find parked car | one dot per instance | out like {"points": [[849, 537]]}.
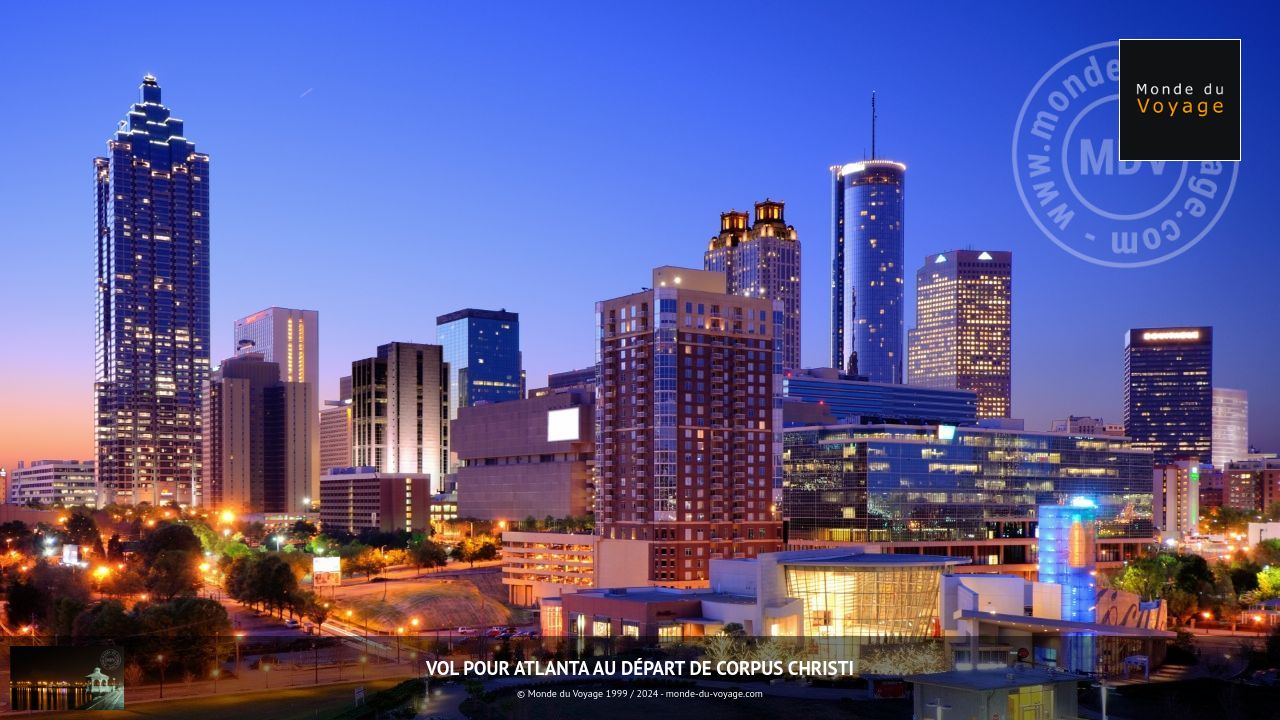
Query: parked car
{"points": [[291, 623], [466, 631]]}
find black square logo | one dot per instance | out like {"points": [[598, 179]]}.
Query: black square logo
{"points": [[1179, 100]]}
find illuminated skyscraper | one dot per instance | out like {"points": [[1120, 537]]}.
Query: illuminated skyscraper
{"points": [[963, 326], [290, 338], [400, 410], [1230, 426], [688, 449], [762, 261], [867, 256], [152, 328], [482, 348], [258, 454], [1168, 400]]}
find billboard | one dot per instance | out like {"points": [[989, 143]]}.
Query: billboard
{"points": [[562, 425], [326, 571]]}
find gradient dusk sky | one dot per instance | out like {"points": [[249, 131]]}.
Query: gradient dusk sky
{"points": [[384, 163]]}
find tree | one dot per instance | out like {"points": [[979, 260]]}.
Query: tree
{"points": [[368, 562], [315, 610], [82, 530], [474, 549], [734, 630], [303, 530], [170, 536], [173, 573], [1269, 583], [428, 554]]}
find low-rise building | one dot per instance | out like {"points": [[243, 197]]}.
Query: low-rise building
{"points": [[356, 499], [540, 565], [53, 482], [526, 458]]}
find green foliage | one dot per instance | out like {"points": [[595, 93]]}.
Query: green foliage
{"points": [[1269, 583], [169, 537], [473, 550], [428, 554], [173, 573]]}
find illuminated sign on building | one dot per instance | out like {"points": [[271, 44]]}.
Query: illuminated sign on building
{"points": [[563, 425], [1159, 335]]}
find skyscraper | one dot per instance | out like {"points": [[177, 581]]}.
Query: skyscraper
{"points": [[688, 454], [258, 454], [287, 337], [482, 348], [1168, 398], [335, 429], [962, 336], [152, 327], [762, 261], [290, 338], [867, 256], [1230, 426], [400, 410]]}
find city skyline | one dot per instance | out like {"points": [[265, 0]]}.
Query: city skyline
{"points": [[56, 411]]}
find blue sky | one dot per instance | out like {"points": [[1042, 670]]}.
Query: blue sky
{"points": [[387, 162]]}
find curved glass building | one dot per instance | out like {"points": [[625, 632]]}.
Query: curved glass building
{"points": [[870, 202]]}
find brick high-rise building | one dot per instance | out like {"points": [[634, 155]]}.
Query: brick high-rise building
{"points": [[762, 260], [962, 337], [688, 452]]}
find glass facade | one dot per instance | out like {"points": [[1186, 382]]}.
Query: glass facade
{"points": [[482, 348], [1168, 400], [853, 401], [152, 326], [883, 483], [872, 233], [867, 602]]}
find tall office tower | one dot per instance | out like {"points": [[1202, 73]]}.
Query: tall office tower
{"points": [[152, 328], [335, 429], [867, 256], [290, 338], [688, 450], [762, 261], [400, 410], [1168, 392], [963, 326], [482, 348], [1230, 426], [258, 454], [287, 337]]}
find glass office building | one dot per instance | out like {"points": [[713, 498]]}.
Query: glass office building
{"points": [[482, 348], [1168, 398], [152, 325], [858, 402], [868, 285], [890, 483]]}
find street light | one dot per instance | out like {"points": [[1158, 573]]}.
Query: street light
{"points": [[399, 633], [239, 635], [160, 661], [279, 541]]}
